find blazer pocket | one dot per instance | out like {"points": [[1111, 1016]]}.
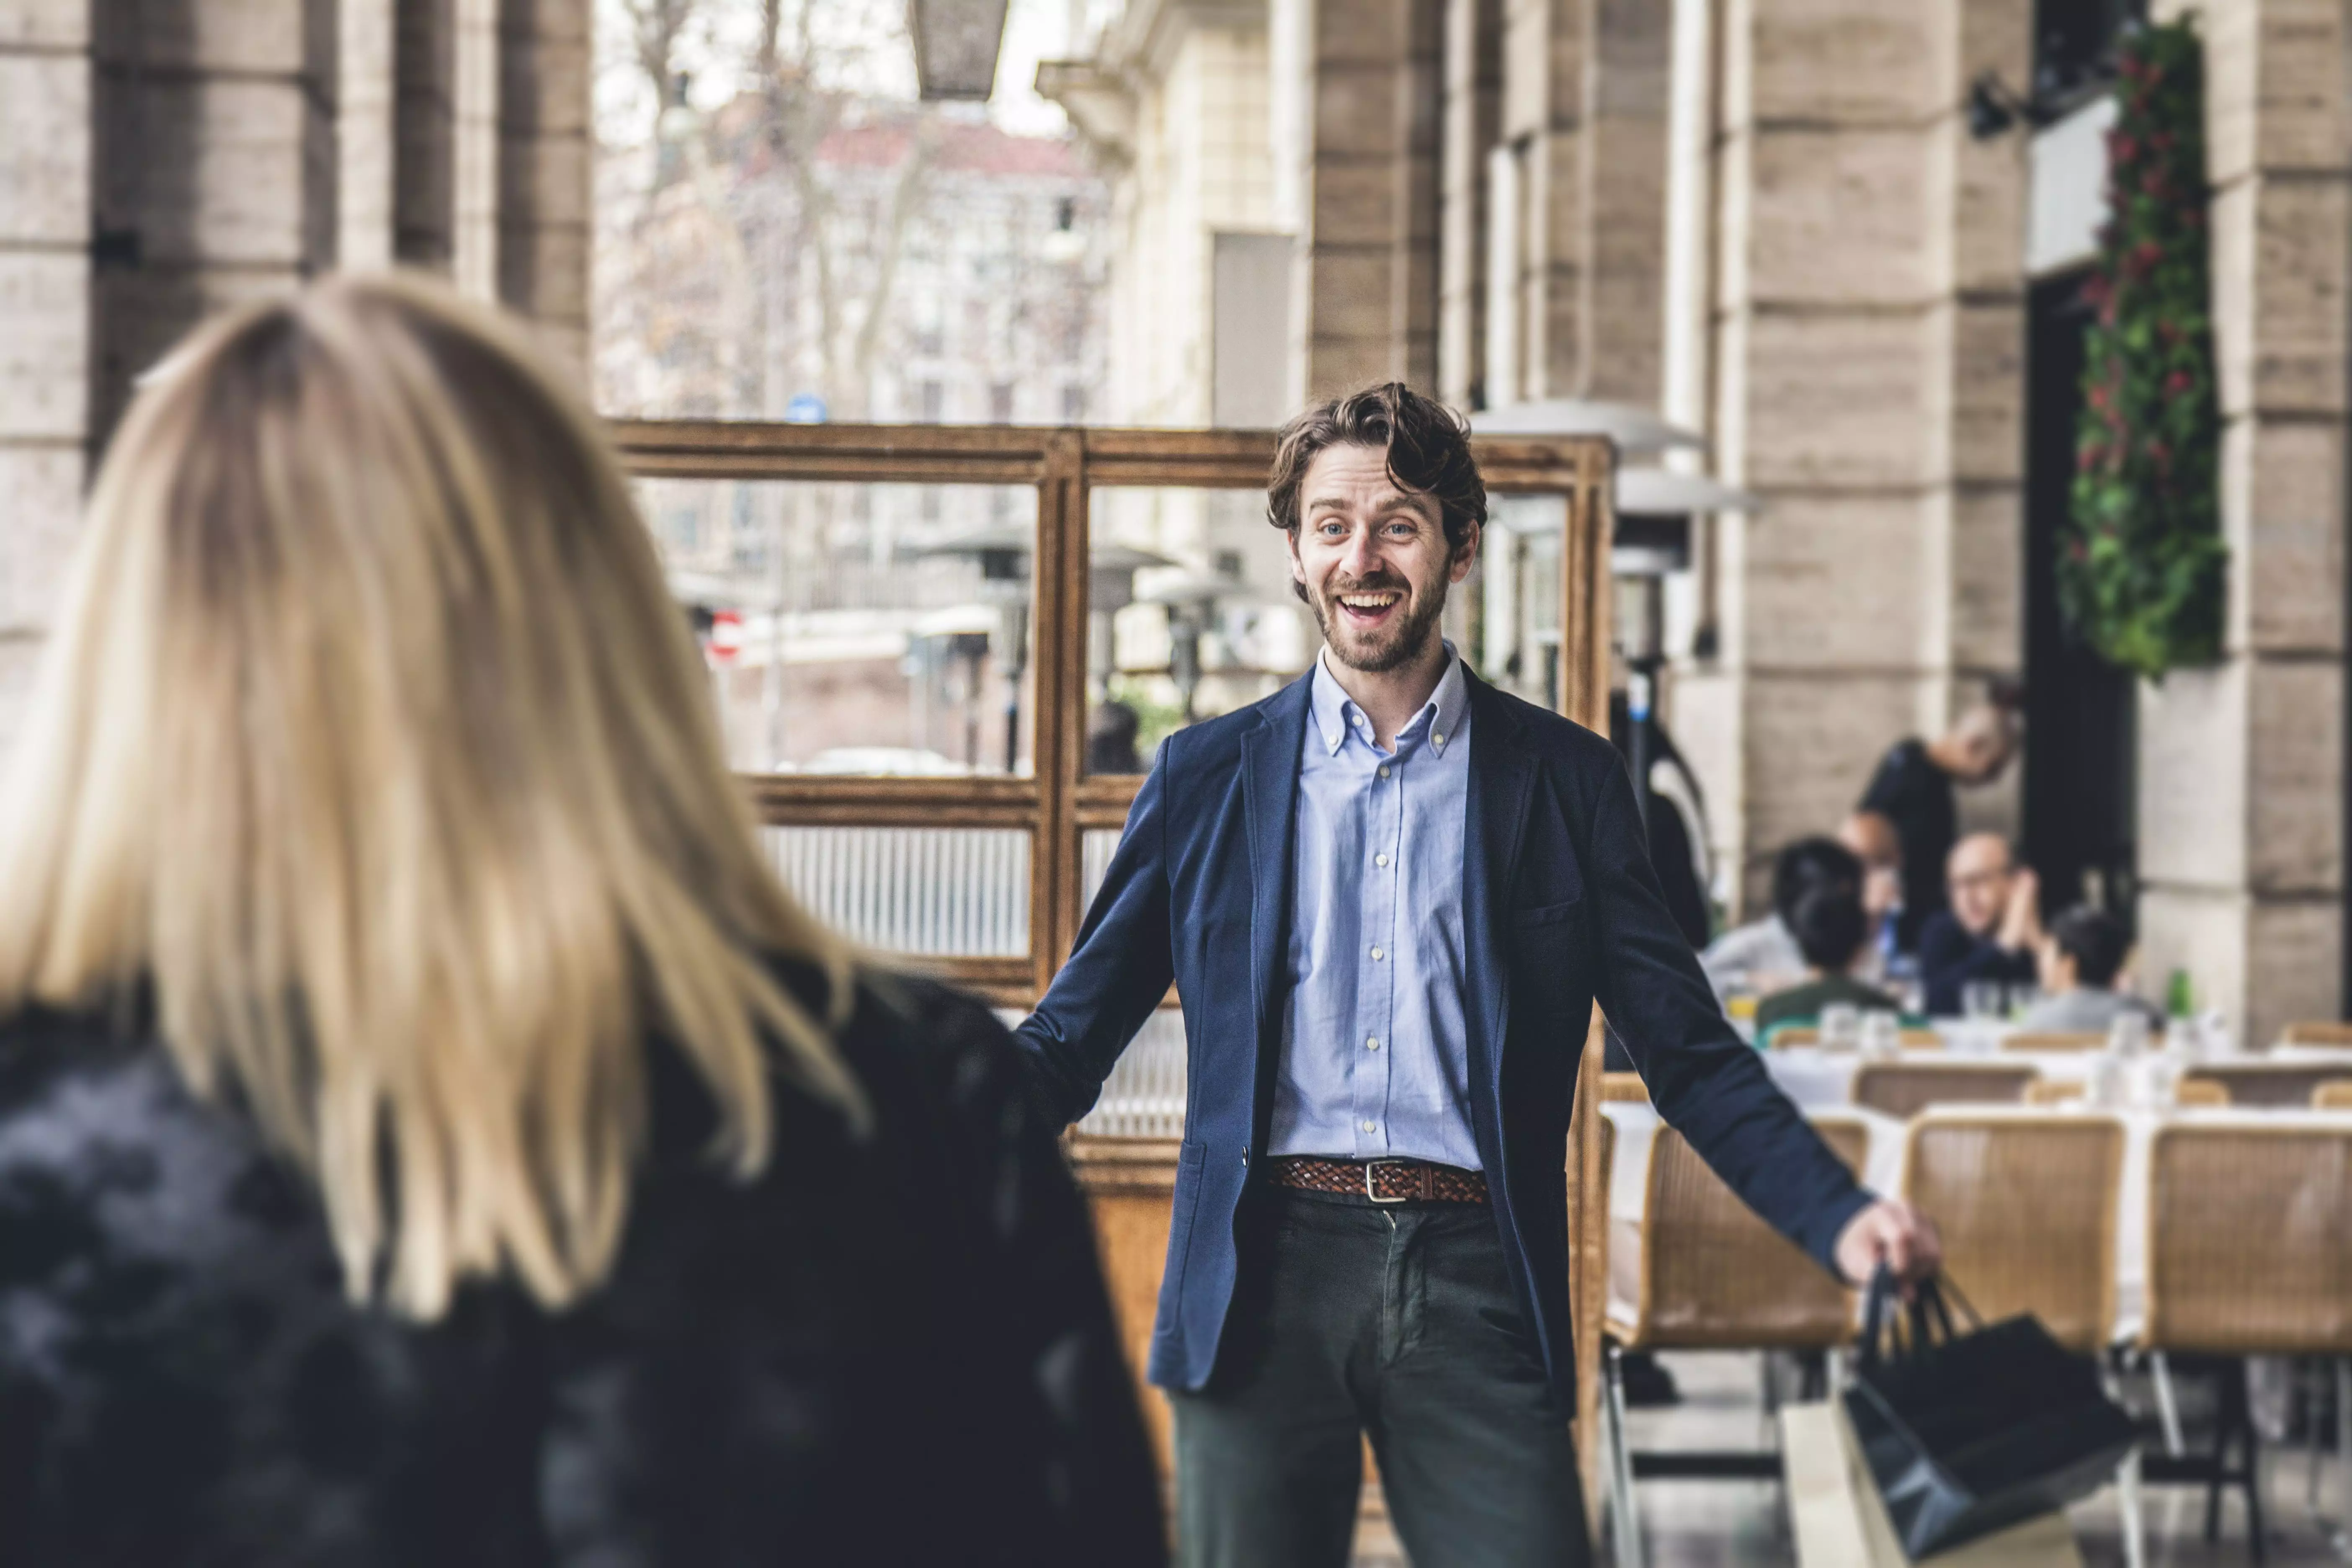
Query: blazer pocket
{"points": [[1182, 1212], [1544, 914]]}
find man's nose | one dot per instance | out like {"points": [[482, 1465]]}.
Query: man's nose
{"points": [[1362, 556]]}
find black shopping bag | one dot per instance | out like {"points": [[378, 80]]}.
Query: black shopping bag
{"points": [[1967, 1433]]}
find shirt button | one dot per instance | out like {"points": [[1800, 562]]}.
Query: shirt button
{"points": [[1376, 956], [1372, 1043], [1380, 859], [1437, 740], [1384, 770], [1371, 1127]]}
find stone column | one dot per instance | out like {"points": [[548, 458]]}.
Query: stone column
{"points": [[1867, 384], [363, 134], [1623, 149], [44, 258], [1472, 114], [2241, 766], [1366, 307], [1541, 244], [214, 169], [546, 170]]}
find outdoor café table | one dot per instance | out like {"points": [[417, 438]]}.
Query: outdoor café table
{"points": [[1824, 1080]]}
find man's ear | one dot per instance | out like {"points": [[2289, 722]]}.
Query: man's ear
{"points": [[1467, 554], [1297, 568]]}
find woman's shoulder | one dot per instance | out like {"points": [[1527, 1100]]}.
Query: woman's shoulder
{"points": [[51, 1059]]}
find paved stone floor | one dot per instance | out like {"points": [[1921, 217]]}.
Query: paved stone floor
{"points": [[1740, 1524]]}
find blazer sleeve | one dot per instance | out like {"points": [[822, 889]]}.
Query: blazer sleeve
{"points": [[1117, 973], [1707, 1082]]}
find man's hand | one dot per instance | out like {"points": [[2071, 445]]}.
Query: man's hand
{"points": [[2021, 921], [1893, 1234]]}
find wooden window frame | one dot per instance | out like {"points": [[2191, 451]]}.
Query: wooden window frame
{"points": [[1059, 803]]}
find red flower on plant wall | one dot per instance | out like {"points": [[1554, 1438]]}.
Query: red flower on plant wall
{"points": [[2140, 561]]}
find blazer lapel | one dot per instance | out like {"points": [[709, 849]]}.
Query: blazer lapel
{"points": [[1501, 772], [1270, 802]]}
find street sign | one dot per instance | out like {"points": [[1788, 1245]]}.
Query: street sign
{"points": [[726, 635]]}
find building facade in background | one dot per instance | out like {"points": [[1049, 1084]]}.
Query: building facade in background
{"points": [[155, 168], [1772, 221]]}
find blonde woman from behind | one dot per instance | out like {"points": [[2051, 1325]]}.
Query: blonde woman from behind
{"points": [[428, 1133]]}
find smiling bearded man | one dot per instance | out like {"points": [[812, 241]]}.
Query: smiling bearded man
{"points": [[1388, 897]]}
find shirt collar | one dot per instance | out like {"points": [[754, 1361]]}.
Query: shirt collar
{"points": [[1334, 711]]}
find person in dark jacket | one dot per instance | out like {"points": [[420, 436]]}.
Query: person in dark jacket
{"points": [[1388, 897], [1913, 787], [428, 1132], [1993, 930], [1833, 931]]}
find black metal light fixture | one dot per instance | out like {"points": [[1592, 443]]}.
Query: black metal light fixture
{"points": [[956, 42]]}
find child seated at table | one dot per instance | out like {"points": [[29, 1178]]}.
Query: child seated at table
{"points": [[2079, 960], [1832, 933]]}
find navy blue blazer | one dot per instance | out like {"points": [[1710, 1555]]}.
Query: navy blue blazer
{"points": [[1559, 909]]}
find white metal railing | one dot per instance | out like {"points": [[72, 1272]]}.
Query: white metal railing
{"points": [[1144, 1096], [961, 891]]}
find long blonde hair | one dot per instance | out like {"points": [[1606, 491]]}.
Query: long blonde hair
{"points": [[371, 740]]}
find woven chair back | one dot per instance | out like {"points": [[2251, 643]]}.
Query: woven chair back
{"points": [[2055, 1091], [2198, 1093], [2027, 1211], [2250, 1240], [1903, 1089], [2336, 1096], [2317, 1032], [1714, 1276], [2269, 1083]]}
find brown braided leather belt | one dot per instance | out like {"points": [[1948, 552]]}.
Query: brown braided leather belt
{"points": [[1382, 1181]]}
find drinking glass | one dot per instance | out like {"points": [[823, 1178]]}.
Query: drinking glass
{"points": [[1841, 1026], [2021, 998], [2127, 1035], [1980, 999], [1880, 1034]]}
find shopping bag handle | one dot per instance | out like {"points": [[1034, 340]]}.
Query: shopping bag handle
{"points": [[1893, 1329]]}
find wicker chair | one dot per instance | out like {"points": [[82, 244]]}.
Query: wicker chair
{"points": [[2068, 1040], [2317, 1032], [2055, 1091], [1903, 1089], [2027, 1209], [1715, 1276], [2198, 1094], [1795, 1037], [1624, 1087], [2220, 1285], [2336, 1096], [2269, 1083]]}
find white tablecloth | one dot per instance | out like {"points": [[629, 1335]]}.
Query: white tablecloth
{"points": [[1637, 1125]]}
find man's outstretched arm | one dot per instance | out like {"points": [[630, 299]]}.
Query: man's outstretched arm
{"points": [[1710, 1085], [1117, 973]]}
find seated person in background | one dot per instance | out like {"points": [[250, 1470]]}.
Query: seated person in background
{"points": [[1873, 840], [1763, 954], [2079, 960], [1833, 932], [1989, 932]]}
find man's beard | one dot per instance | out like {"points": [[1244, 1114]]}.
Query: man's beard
{"points": [[1400, 645]]}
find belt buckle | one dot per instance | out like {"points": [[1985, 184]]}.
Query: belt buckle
{"points": [[1374, 1196]]}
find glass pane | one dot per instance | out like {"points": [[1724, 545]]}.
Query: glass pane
{"points": [[1190, 614], [945, 891], [1144, 1095], [1518, 597], [858, 628]]}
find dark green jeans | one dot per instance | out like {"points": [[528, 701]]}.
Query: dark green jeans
{"points": [[1395, 1321]]}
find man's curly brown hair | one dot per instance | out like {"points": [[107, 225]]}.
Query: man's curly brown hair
{"points": [[1428, 448]]}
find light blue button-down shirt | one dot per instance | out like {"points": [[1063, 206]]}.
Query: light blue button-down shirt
{"points": [[1375, 1056]]}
